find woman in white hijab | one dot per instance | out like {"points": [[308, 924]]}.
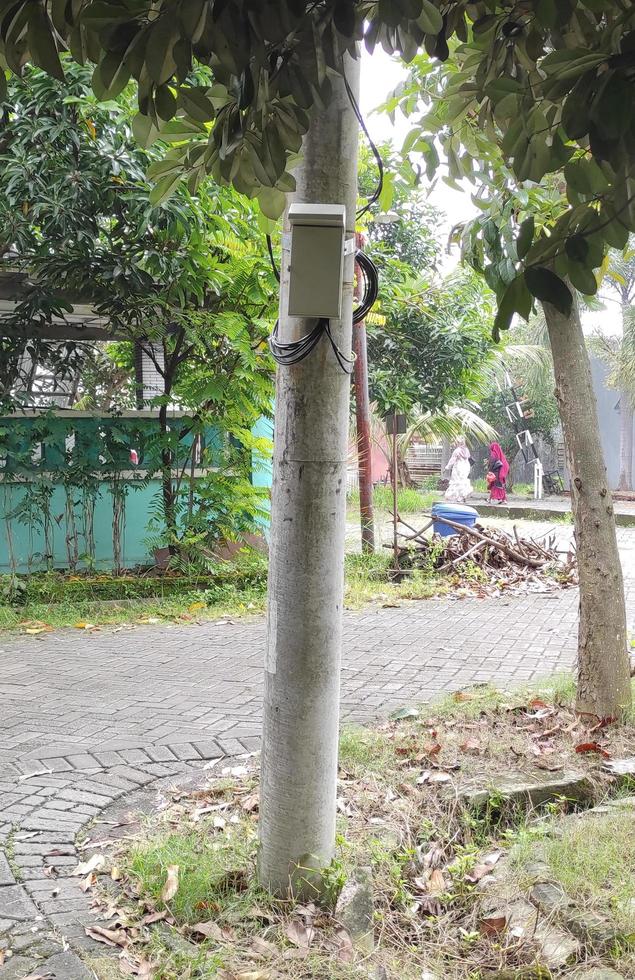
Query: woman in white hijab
{"points": [[459, 465]]}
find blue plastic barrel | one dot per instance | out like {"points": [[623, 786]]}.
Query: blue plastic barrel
{"points": [[458, 513]]}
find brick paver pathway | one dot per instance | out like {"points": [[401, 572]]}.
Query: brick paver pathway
{"points": [[88, 718]]}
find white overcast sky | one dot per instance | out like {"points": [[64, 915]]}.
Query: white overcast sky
{"points": [[380, 75]]}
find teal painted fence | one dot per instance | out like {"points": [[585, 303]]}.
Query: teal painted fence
{"points": [[79, 489]]}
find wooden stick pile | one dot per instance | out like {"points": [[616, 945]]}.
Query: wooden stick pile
{"points": [[493, 550]]}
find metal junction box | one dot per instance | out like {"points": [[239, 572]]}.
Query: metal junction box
{"points": [[317, 256]]}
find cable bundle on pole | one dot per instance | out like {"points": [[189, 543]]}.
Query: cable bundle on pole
{"points": [[297, 350], [370, 275]]}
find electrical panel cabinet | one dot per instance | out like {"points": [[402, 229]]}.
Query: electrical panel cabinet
{"points": [[317, 258]]}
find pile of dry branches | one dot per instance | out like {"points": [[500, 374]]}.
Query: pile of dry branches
{"points": [[500, 555]]}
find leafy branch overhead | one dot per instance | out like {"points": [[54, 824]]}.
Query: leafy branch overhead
{"points": [[554, 80]]}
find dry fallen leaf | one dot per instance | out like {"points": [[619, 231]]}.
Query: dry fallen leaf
{"points": [[251, 802], [147, 920], [584, 747], [87, 883], [492, 925], [93, 864], [344, 946], [111, 937], [211, 930], [537, 703], [171, 886], [470, 745], [299, 934], [436, 882], [462, 696], [262, 948], [116, 873], [485, 867]]}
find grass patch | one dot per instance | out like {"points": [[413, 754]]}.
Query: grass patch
{"points": [[368, 580], [409, 500], [594, 860], [216, 873], [365, 750]]}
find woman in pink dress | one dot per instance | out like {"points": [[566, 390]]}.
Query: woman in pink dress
{"points": [[499, 466]]}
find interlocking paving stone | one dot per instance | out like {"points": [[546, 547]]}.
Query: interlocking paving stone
{"points": [[16, 904]]}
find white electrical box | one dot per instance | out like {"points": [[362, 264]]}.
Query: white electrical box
{"points": [[317, 257]]}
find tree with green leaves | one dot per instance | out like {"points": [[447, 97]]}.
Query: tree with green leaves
{"points": [[524, 244], [188, 278], [556, 77]]}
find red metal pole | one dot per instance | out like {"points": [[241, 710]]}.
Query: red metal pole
{"points": [[362, 413]]}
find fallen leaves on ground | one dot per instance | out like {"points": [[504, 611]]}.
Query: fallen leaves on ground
{"points": [[484, 867], [493, 925], [592, 747], [171, 885], [95, 863], [33, 627], [299, 934], [111, 937], [211, 930]]}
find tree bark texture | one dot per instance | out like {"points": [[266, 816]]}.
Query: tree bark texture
{"points": [[306, 577], [603, 663], [626, 442]]}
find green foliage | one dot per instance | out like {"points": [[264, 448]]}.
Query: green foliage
{"points": [[190, 276], [409, 501], [527, 95], [556, 79]]}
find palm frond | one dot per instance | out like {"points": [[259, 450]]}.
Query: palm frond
{"points": [[455, 420]]}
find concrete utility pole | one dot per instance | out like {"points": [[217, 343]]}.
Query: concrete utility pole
{"points": [[362, 415], [306, 577]]}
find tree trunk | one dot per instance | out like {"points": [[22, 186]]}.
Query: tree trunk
{"points": [[306, 572], [604, 686], [626, 442]]}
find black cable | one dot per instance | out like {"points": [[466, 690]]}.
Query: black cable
{"points": [[298, 350], [380, 163], [370, 275], [276, 271]]}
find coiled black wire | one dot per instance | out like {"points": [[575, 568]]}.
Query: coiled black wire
{"points": [[370, 275], [297, 350]]}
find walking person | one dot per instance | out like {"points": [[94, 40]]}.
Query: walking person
{"points": [[459, 465], [497, 476]]}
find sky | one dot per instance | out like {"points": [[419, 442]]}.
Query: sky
{"points": [[379, 76]]}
